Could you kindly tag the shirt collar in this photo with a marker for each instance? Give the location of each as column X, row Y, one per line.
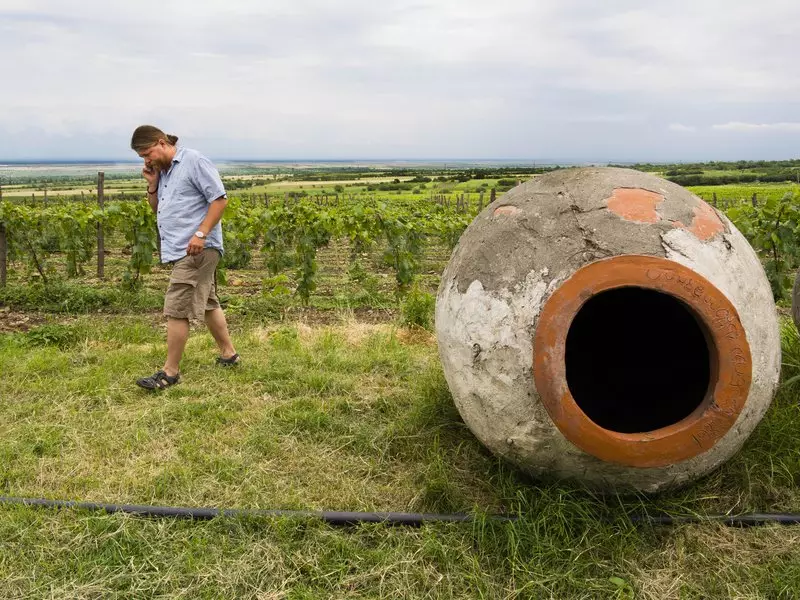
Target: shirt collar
column 176, row 159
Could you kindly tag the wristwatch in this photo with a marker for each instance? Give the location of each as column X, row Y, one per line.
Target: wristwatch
column 200, row 234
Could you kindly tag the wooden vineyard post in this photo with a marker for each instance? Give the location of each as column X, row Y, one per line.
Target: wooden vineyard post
column 3, row 254
column 101, row 251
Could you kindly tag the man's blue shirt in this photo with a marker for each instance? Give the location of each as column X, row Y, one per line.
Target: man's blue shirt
column 185, row 192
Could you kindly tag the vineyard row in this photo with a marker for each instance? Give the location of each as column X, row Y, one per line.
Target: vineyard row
column 288, row 234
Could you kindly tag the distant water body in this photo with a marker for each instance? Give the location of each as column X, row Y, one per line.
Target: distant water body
column 62, row 168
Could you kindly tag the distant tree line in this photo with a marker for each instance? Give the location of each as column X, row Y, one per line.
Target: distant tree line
column 720, row 172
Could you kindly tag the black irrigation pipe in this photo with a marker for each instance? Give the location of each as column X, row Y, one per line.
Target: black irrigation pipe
column 330, row 517
column 388, row 518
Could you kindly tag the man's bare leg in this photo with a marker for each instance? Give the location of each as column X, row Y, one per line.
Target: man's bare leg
column 177, row 334
column 218, row 326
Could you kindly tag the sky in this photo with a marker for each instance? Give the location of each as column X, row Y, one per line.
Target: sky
column 562, row 80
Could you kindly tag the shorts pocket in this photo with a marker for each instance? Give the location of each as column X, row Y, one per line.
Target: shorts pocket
column 182, row 281
column 180, row 301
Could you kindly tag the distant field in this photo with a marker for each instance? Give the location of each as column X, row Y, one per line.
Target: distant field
column 734, row 193
column 350, row 186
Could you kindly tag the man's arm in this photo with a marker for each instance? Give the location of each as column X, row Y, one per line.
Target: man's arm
column 206, row 178
column 214, row 214
column 152, row 176
column 153, row 200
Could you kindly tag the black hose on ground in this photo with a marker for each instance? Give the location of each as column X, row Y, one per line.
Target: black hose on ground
column 331, row 517
column 388, row 518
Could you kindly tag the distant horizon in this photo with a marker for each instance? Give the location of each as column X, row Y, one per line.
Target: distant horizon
column 381, row 161
column 516, row 161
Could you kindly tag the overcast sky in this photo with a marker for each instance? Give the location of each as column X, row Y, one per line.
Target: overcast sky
column 424, row 79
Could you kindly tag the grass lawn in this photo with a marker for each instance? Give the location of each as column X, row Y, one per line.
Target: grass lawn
column 344, row 416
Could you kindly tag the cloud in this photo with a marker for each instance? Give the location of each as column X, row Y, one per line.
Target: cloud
column 410, row 78
column 757, row 127
column 682, row 128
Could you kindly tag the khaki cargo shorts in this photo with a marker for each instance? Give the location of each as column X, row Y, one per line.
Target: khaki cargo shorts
column 193, row 286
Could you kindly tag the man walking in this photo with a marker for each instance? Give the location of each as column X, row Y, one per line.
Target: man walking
column 186, row 193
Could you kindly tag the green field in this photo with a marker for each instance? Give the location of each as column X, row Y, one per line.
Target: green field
column 737, row 193
column 340, row 404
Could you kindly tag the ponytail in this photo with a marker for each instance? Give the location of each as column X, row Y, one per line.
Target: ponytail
column 146, row 136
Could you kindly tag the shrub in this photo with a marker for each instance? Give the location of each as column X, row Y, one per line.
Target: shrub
column 61, row 336
column 418, row 308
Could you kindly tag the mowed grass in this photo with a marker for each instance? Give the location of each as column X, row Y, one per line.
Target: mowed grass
column 346, row 416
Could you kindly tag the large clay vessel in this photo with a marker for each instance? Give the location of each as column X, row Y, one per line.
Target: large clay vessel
column 608, row 326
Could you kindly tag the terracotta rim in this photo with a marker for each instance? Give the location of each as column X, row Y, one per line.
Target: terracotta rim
column 731, row 364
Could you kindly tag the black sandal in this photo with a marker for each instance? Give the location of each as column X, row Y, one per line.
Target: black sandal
column 158, row 381
column 229, row 362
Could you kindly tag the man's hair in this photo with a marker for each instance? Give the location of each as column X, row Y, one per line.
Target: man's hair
column 145, row 136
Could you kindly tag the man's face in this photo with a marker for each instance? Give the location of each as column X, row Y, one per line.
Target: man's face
column 156, row 156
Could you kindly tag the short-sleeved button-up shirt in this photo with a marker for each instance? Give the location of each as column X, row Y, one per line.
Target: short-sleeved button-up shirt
column 185, row 192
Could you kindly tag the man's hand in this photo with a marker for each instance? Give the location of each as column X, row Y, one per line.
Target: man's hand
column 196, row 246
column 151, row 174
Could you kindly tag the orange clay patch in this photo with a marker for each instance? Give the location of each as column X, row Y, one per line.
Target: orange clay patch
column 635, row 204
column 706, row 224
column 506, row 210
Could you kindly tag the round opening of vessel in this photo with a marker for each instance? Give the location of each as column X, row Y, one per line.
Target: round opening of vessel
column 641, row 361
column 637, row 360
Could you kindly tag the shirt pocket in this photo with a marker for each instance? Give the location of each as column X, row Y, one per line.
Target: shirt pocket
column 186, row 190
